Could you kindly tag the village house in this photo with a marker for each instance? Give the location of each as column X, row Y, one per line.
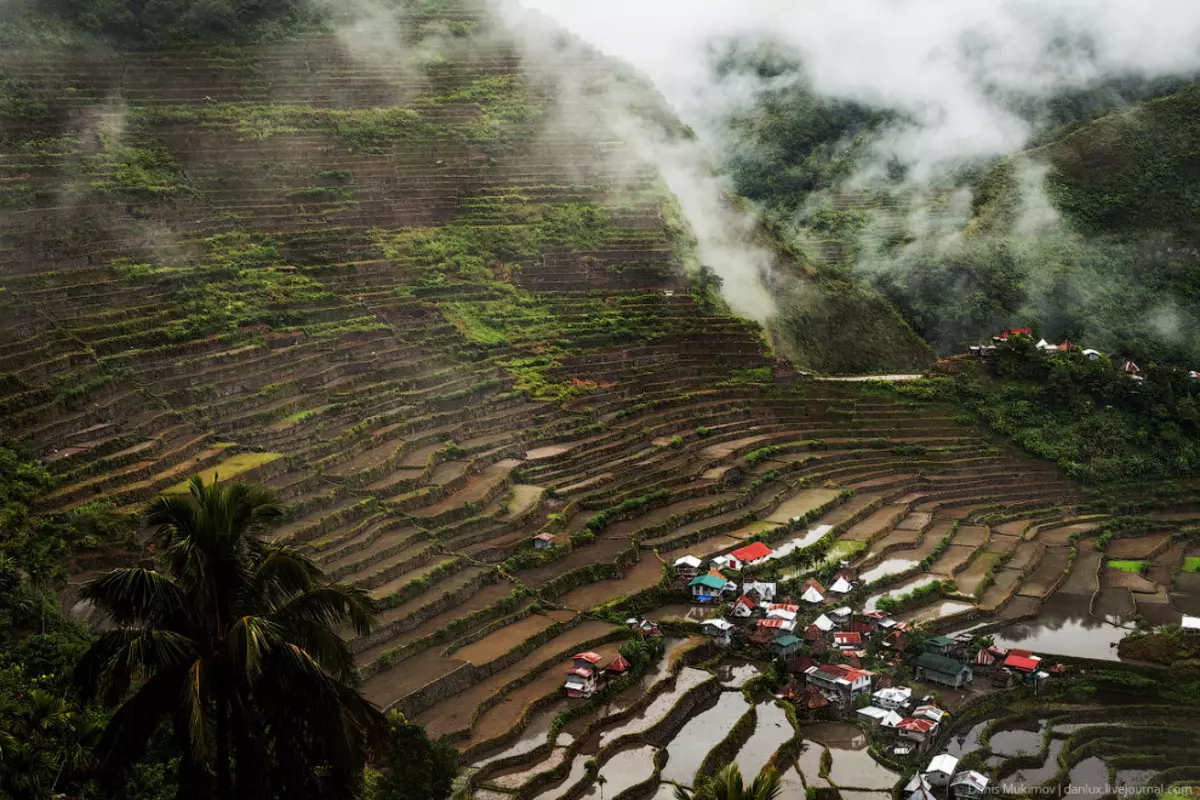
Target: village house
column 782, row 611
column 847, row 640
column 688, row 567
column 543, row 541
column 1091, row 354
column 785, row 646
column 942, row 669
column 879, row 717
column 1008, row 333
column 744, row 607
column 1189, row 623
column 968, row 785
column 823, row 623
column 921, row 732
column 940, row 771
column 841, row 586
column 643, row 626
column 841, row 616
column 753, row 553
column 727, row 562
column 617, row 667
column 938, row 644
column 780, row 626
column 839, row 680
column 929, row 712
column 580, row 683
column 892, row 698
column 763, row 590
column 720, row 630
column 918, row 788
column 1023, row 665
column 707, row 588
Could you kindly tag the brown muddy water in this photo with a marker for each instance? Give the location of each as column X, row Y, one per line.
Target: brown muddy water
column 771, row 730
column 1063, row 626
column 852, row 763
column 702, row 733
column 519, row 776
column 533, row 735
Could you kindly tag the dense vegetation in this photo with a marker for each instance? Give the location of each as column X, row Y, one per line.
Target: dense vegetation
column 193, row 695
column 1096, row 422
column 1091, row 236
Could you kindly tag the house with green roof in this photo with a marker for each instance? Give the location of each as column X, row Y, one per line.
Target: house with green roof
column 707, row 588
column 936, row 668
column 786, row 645
column 938, row 644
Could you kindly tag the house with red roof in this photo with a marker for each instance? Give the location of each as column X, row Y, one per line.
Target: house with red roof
column 1021, row 661
column 917, row 729
column 847, row 640
column 755, row 551
column 581, row 682
column 618, row 666
column 1009, row 332
column 839, row 680
column 586, row 660
column 744, row 607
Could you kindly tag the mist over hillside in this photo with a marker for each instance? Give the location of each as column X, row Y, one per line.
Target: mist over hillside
column 956, row 156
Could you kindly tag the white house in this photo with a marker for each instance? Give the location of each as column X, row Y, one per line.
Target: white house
column 811, row 595
column 968, row 785
column 841, row 586
column 929, row 712
column 766, row 590
column 775, row 611
column 688, row 566
column 719, row 629
column 824, row 623
column 918, row 788
column 1091, row 354
column 743, row 607
column 727, row 562
column 941, row 769
column 1190, row 623
column 893, row 697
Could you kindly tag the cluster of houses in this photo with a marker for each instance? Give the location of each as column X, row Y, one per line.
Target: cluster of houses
column 943, row 779
column 984, row 350
column 586, row 675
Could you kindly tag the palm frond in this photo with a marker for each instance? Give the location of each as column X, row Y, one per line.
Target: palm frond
column 125, row 655
column 331, row 605
column 197, row 705
column 324, row 646
column 137, row 595
column 281, row 572
column 765, row 786
column 128, row 733
column 250, row 640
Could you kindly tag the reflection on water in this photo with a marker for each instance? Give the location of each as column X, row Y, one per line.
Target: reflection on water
column 701, row 733
column 771, row 730
column 687, row 679
column 890, row 566
column 1024, row 738
column 1024, row 779
column 1089, row 778
column 962, row 743
column 852, row 763
column 810, row 762
column 903, row 588
column 626, row 768
column 734, row 676
column 1064, row 626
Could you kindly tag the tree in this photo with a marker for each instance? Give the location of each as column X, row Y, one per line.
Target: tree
column 220, row 646
column 728, row 786
column 418, row 769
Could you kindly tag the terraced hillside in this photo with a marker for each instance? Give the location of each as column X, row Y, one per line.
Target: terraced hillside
column 441, row 308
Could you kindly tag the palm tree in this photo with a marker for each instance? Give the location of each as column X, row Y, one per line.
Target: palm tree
column 727, row 785
column 232, row 645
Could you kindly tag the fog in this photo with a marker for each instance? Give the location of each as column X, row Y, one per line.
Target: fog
column 946, row 64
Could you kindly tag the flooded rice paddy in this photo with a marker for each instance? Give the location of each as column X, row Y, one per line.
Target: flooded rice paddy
column 688, row 749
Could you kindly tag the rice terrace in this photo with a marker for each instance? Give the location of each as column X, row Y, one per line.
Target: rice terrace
column 606, row 510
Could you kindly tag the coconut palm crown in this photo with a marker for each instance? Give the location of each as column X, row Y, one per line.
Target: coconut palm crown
column 728, row 785
column 231, row 648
